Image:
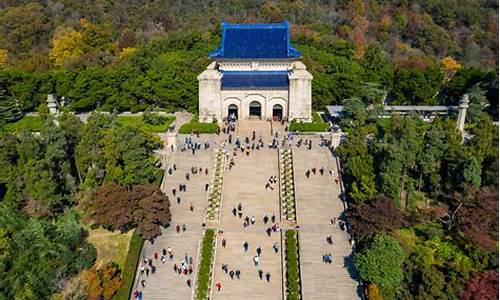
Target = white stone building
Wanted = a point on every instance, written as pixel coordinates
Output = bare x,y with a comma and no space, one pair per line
256,74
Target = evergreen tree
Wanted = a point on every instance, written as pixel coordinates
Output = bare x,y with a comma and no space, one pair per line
9,112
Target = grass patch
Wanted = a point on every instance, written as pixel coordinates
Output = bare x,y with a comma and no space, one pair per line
31,123
204,272
128,271
110,246
138,121
195,126
317,125
292,265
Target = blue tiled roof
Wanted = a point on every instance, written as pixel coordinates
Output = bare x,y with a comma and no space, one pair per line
254,79
260,41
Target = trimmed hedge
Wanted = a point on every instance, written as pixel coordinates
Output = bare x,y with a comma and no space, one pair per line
317,125
195,126
131,262
292,266
204,272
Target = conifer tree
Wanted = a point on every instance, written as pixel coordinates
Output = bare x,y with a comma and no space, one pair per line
9,112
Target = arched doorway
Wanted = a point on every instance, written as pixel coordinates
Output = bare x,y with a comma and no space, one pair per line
232,112
277,112
255,109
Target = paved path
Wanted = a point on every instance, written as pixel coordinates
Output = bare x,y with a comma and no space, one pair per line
245,183
165,284
318,201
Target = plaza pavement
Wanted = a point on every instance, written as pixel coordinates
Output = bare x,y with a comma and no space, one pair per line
245,183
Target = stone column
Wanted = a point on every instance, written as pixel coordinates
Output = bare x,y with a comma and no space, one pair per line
209,94
299,93
462,112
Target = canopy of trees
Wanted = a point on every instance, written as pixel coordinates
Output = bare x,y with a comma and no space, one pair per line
141,206
129,56
42,179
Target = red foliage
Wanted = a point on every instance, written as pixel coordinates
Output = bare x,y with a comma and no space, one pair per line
478,217
378,215
142,206
482,286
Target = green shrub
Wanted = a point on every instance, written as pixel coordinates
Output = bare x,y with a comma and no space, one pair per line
195,126
31,123
292,265
131,262
317,125
204,274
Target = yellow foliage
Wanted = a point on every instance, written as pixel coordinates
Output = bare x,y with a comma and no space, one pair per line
102,282
127,52
385,23
450,67
4,55
373,292
67,44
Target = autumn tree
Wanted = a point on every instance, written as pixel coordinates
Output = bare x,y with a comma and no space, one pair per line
102,282
67,45
379,215
482,286
123,208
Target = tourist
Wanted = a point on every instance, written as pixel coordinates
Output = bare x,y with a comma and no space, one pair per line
153,270
143,283
188,282
224,268
268,231
173,192
218,285
321,170
273,219
329,240
231,274
275,247
256,260
184,227
308,173
252,220
268,277
258,250
191,207
265,219
245,246
260,274
206,186
234,211
223,243
178,228
178,200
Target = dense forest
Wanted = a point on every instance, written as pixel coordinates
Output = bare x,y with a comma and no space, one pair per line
136,54
424,201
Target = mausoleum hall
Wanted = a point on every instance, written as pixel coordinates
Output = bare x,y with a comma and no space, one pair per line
256,74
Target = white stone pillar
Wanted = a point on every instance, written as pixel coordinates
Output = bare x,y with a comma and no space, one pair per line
299,93
209,82
462,112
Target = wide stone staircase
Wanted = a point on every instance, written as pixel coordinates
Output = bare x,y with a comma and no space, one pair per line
166,284
245,183
317,202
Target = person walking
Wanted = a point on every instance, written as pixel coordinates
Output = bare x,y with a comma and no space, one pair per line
223,243
218,285
258,250
245,246
252,220
273,219
238,273
191,207
184,227
206,186
188,282
275,247
260,274
178,228
265,219
231,274
234,211
268,231
255,260
268,277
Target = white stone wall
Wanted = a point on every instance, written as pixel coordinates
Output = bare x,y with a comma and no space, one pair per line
266,98
214,102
